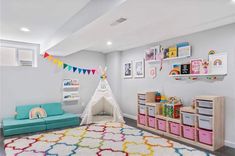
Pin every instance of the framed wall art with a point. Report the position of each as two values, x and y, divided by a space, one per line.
185 69
152 72
195 66
150 54
218 63
184 51
139 69
127 70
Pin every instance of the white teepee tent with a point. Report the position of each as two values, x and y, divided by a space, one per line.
102 101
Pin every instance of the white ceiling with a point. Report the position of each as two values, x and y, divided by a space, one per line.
42 17
147 21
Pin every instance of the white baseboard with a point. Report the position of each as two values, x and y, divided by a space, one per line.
129 116
226 142
229 144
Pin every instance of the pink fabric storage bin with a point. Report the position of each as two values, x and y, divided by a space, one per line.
189 132
142 119
151 122
205 137
174 128
161 124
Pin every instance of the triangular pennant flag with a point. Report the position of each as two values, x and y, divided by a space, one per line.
50 57
60 63
55 61
65 65
45 55
88 71
74 69
69 67
93 71
79 70
84 71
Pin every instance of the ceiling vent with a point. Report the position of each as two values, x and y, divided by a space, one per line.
118 21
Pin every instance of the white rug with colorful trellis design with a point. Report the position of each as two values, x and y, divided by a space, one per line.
107 139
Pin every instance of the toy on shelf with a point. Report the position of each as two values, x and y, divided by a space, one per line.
172 107
157 97
174 72
211 52
163 99
193 103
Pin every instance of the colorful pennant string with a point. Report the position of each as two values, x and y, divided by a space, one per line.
46 55
79 70
74 69
68 67
88 71
84 71
65 65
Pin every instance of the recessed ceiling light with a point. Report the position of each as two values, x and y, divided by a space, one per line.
24 29
233 1
109 43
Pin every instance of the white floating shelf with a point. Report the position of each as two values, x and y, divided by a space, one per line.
196 75
71 99
168 59
71 86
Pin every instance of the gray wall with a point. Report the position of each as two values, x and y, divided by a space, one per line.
88 83
220 39
113 61
26 85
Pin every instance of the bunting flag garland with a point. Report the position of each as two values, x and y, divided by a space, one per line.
45 55
49 57
84 71
65 65
93 71
79 70
55 61
74 69
68 67
88 71
60 63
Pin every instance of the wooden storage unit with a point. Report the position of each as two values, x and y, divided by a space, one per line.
210 121
211 107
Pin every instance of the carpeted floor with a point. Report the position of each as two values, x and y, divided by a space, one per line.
98 139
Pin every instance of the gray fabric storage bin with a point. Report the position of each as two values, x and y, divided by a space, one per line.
188 119
205 122
151 111
142 109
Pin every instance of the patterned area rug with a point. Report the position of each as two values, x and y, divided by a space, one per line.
107 139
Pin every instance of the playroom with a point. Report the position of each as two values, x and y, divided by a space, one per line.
117 78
